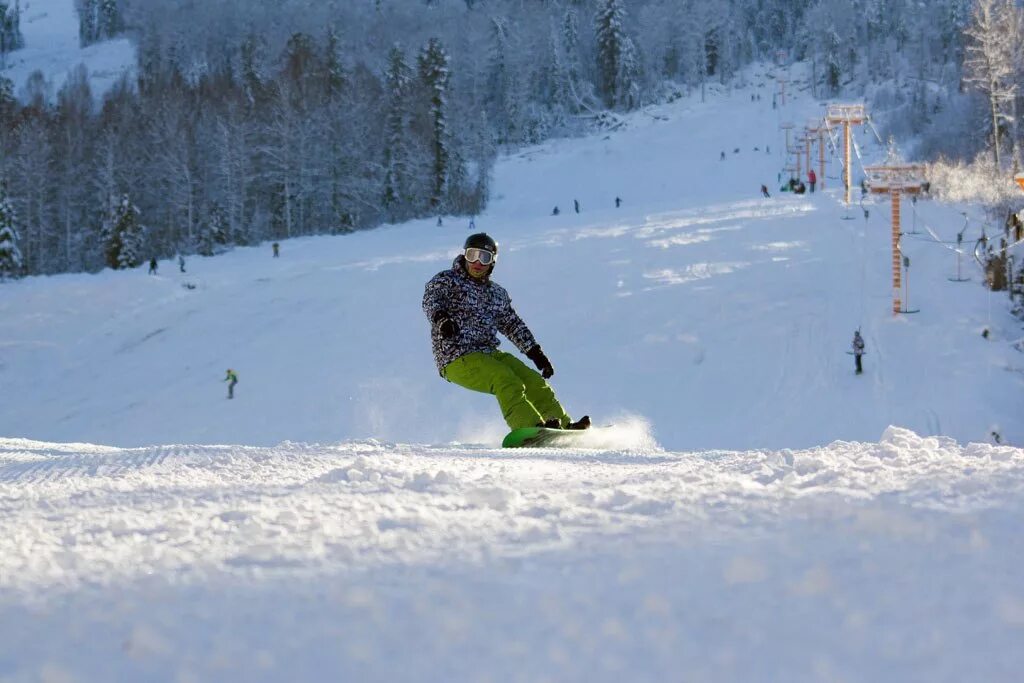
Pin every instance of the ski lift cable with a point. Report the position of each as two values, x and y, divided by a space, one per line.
872 126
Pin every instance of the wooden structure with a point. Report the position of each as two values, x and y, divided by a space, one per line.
848 115
895 179
815 129
786 126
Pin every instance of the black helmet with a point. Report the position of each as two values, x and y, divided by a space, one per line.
481 240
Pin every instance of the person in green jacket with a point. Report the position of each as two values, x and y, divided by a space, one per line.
232 379
466 310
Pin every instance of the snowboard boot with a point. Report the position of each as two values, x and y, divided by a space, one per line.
553 423
582 423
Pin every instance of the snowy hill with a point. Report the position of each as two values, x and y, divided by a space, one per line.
50 29
754 516
720 317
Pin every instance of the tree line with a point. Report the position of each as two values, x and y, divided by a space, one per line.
252 121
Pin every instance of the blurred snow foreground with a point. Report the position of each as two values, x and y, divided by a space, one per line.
407 562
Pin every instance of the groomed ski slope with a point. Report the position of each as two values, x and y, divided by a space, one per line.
372 561
754 516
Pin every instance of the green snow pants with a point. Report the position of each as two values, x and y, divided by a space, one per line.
525 398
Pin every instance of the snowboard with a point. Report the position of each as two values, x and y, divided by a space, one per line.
539 437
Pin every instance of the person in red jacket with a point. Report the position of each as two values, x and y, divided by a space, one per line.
811 178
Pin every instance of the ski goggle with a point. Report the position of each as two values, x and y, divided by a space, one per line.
481 256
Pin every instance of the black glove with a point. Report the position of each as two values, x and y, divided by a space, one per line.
541 361
446 326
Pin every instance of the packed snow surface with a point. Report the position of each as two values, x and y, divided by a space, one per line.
756 512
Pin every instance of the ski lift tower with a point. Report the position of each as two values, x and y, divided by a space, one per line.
786 126
814 128
848 115
895 179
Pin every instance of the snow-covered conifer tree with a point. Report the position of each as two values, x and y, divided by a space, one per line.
109 22
435 77
212 233
124 236
617 61
10 256
88 21
10 27
398 81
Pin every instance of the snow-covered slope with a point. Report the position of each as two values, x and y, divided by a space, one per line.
720 317
370 561
753 516
50 29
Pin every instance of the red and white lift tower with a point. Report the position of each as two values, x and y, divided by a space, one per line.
816 133
895 179
786 126
848 115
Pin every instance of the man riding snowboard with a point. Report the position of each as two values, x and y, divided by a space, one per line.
466 311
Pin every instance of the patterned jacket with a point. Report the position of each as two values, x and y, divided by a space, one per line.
480 308
858 345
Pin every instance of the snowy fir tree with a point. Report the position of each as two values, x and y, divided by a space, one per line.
397 184
10 27
124 236
10 256
434 76
617 66
109 21
213 234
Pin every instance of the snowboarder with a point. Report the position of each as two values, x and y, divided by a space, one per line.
618 202
232 379
576 203
858 350
812 178
472 223
181 263
555 211
764 192
152 266
440 222
722 156
466 310
277 249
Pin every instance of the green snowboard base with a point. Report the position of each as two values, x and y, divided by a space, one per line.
534 437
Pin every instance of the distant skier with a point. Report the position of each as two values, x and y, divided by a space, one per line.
152 266
277 249
466 310
472 223
181 263
858 350
232 379
812 178
764 191
439 222
721 157
618 202
555 211
576 204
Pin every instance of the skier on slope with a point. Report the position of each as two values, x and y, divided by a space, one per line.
232 379
466 310
858 350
